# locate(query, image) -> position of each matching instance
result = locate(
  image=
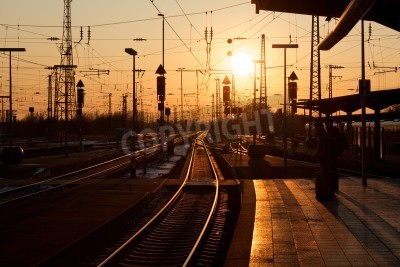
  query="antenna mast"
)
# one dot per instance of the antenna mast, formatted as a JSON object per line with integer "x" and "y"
{"x": 263, "y": 82}
{"x": 315, "y": 70}
{"x": 65, "y": 97}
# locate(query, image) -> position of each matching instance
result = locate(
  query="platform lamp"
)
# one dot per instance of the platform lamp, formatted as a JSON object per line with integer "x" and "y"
{"x": 10, "y": 50}
{"x": 133, "y": 53}
{"x": 284, "y": 46}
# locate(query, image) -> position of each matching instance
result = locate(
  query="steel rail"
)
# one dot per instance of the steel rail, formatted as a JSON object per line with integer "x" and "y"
{"x": 111, "y": 259}
{"x": 20, "y": 189}
{"x": 173, "y": 199}
{"x": 55, "y": 187}
{"x": 211, "y": 214}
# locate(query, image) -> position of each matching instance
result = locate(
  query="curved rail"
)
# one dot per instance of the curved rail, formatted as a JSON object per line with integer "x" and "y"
{"x": 32, "y": 188}
{"x": 50, "y": 187}
{"x": 213, "y": 208}
{"x": 169, "y": 208}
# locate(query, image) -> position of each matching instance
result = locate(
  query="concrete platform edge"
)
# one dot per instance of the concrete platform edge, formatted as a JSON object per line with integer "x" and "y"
{"x": 240, "y": 248}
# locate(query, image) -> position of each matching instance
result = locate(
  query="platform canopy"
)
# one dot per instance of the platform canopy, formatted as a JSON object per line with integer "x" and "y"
{"x": 377, "y": 100}
{"x": 385, "y": 12}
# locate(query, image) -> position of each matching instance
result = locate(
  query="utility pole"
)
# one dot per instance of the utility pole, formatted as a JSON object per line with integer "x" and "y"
{"x": 124, "y": 110}
{"x": 65, "y": 97}
{"x": 197, "y": 85}
{"x": 49, "y": 108}
{"x": 10, "y": 50}
{"x": 56, "y": 98}
{"x": 49, "y": 99}
{"x": 315, "y": 70}
{"x": 208, "y": 48}
{"x": 161, "y": 79}
{"x": 109, "y": 105}
{"x": 69, "y": 101}
{"x": 197, "y": 94}
{"x": 332, "y": 77}
{"x": 217, "y": 98}
{"x": 133, "y": 53}
{"x": 263, "y": 79}
{"x": 284, "y": 46}
{"x": 66, "y": 80}
{"x": 181, "y": 69}
{"x": 163, "y": 38}
{"x": 212, "y": 110}
{"x": 364, "y": 90}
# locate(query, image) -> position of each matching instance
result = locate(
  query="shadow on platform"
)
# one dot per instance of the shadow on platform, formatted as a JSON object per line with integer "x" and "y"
{"x": 269, "y": 167}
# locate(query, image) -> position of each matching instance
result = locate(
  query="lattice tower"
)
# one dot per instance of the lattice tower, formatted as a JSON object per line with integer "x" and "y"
{"x": 315, "y": 69}
{"x": 65, "y": 97}
{"x": 331, "y": 76}
{"x": 49, "y": 99}
{"x": 263, "y": 81}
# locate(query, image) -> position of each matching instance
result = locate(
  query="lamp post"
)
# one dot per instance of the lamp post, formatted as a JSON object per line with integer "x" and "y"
{"x": 284, "y": 46}
{"x": 10, "y": 50}
{"x": 133, "y": 53}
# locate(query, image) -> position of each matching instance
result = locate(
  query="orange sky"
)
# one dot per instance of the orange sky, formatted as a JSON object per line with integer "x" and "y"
{"x": 114, "y": 25}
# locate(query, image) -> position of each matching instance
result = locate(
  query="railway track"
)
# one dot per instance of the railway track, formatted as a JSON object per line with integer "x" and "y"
{"x": 11, "y": 194}
{"x": 178, "y": 232}
{"x": 343, "y": 171}
{"x": 192, "y": 223}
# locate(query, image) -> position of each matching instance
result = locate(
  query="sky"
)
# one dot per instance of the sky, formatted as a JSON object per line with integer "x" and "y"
{"x": 105, "y": 68}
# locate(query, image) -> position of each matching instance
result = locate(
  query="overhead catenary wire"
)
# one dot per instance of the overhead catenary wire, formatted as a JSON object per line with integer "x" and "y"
{"x": 388, "y": 51}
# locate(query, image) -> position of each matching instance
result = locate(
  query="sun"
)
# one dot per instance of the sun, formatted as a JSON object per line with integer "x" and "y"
{"x": 241, "y": 64}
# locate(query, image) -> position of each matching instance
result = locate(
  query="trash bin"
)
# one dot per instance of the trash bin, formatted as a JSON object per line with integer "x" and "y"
{"x": 17, "y": 154}
{"x": 324, "y": 186}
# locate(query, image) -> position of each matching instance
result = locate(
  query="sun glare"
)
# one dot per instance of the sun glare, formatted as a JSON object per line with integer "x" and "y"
{"x": 241, "y": 64}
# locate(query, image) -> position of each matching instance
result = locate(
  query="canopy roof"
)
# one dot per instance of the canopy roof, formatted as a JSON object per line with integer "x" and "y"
{"x": 377, "y": 100}
{"x": 385, "y": 12}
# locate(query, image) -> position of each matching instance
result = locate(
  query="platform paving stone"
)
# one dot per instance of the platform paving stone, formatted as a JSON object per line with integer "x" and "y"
{"x": 359, "y": 228}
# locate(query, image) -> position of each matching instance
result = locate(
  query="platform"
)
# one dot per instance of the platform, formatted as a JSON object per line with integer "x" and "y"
{"x": 282, "y": 224}
{"x": 242, "y": 167}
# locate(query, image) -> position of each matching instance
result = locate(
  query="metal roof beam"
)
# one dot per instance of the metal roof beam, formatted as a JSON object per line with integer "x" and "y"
{"x": 354, "y": 12}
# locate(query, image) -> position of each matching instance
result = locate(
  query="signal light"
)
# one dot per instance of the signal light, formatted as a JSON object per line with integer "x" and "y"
{"x": 226, "y": 93}
{"x": 161, "y": 85}
{"x": 81, "y": 96}
{"x": 292, "y": 90}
